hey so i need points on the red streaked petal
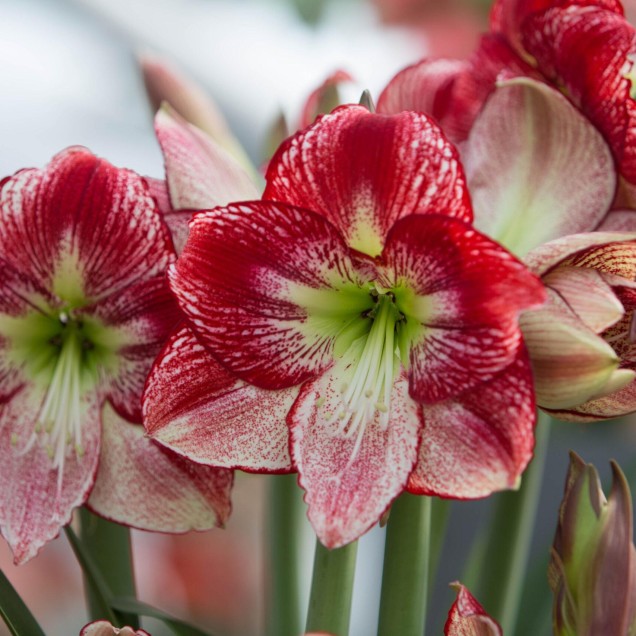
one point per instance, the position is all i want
(324, 98)
(480, 442)
(144, 485)
(200, 174)
(468, 618)
(81, 227)
(467, 292)
(586, 51)
(348, 490)
(363, 171)
(536, 168)
(427, 87)
(195, 407)
(237, 281)
(33, 507)
(142, 316)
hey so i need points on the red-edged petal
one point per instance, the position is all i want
(537, 169)
(239, 279)
(324, 98)
(348, 489)
(82, 228)
(481, 441)
(105, 628)
(586, 50)
(34, 504)
(142, 316)
(468, 618)
(467, 292)
(144, 485)
(363, 171)
(176, 220)
(199, 172)
(195, 407)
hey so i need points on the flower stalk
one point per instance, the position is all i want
(332, 589)
(406, 567)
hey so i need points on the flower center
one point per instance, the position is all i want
(368, 380)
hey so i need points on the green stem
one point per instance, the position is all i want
(505, 560)
(110, 550)
(332, 589)
(283, 603)
(406, 567)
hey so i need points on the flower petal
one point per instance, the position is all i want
(176, 220)
(350, 481)
(467, 292)
(324, 98)
(142, 316)
(585, 50)
(199, 172)
(619, 221)
(571, 364)
(468, 618)
(144, 485)
(363, 171)
(240, 281)
(105, 628)
(481, 441)
(82, 228)
(35, 504)
(198, 409)
(536, 168)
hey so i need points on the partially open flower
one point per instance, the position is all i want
(593, 568)
(351, 305)
(468, 618)
(582, 342)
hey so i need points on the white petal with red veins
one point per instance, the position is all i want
(141, 484)
(536, 168)
(198, 409)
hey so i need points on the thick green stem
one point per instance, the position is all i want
(110, 550)
(283, 604)
(406, 567)
(332, 589)
(505, 560)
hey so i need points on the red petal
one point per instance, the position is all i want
(363, 171)
(468, 292)
(235, 280)
(323, 99)
(481, 441)
(199, 172)
(537, 169)
(143, 316)
(33, 507)
(141, 484)
(468, 618)
(195, 407)
(105, 628)
(176, 220)
(586, 51)
(348, 490)
(84, 215)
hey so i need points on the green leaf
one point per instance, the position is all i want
(133, 606)
(15, 613)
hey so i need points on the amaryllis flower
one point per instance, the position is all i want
(468, 618)
(593, 563)
(582, 342)
(352, 326)
(106, 628)
(84, 308)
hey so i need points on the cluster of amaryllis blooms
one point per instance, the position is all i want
(383, 318)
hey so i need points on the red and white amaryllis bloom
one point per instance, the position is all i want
(468, 618)
(352, 326)
(84, 309)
